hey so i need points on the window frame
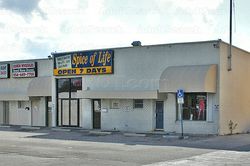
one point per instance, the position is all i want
(20, 104)
(205, 111)
(138, 103)
(69, 88)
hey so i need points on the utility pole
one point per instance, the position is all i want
(230, 37)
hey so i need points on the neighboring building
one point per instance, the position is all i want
(25, 92)
(134, 88)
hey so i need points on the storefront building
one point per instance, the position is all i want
(25, 92)
(134, 89)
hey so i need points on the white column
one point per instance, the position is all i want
(87, 117)
(210, 107)
(53, 109)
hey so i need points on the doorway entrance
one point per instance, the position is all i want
(37, 116)
(68, 114)
(159, 115)
(5, 112)
(48, 121)
(96, 114)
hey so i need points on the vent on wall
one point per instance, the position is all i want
(115, 104)
(136, 43)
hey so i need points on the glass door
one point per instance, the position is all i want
(67, 101)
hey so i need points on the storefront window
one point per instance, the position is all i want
(76, 84)
(67, 87)
(63, 85)
(195, 106)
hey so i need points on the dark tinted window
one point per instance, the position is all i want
(76, 84)
(63, 85)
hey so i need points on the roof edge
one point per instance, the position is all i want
(235, 47)
(25, 60)
(152, 45)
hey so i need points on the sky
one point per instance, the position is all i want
(32, 29)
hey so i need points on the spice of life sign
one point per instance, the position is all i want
(24, 70)
(4, 71)
(84, 63)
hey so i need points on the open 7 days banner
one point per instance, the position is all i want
(83, 63)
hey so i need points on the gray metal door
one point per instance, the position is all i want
(159, 115)
(97, 114)
(6, 112)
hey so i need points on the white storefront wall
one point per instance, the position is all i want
(127, 118)
(135, 69)
(137, 72)
(139, 69)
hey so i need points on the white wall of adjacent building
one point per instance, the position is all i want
(17, 88)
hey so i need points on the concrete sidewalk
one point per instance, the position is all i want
(22, 146)
(240, 142)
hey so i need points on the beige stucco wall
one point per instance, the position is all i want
(234, 94)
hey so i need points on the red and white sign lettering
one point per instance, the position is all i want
(22, 70)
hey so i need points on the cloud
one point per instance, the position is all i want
(2, 25)
(23, 7)
(91, 24)
(37, 47)
(193, 5)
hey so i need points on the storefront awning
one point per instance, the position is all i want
(200, 78)
(40, 86)
(10, 90)
(93, 94)
(17, 96)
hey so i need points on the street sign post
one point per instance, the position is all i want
(180, 101)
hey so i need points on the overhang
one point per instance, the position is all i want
(40, 86)
(94, 94)
(199, 78)
(13, 96)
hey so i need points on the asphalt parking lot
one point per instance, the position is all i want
(45, 147)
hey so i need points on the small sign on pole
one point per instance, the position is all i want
(180, 96)
(180, 100)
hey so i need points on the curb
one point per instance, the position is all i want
(30, 128)
(4, 126)
(134, 135)
(100, 132)
(60, 129)
(171, 136)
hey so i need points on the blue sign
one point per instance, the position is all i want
(180, 93)
(85, 62)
